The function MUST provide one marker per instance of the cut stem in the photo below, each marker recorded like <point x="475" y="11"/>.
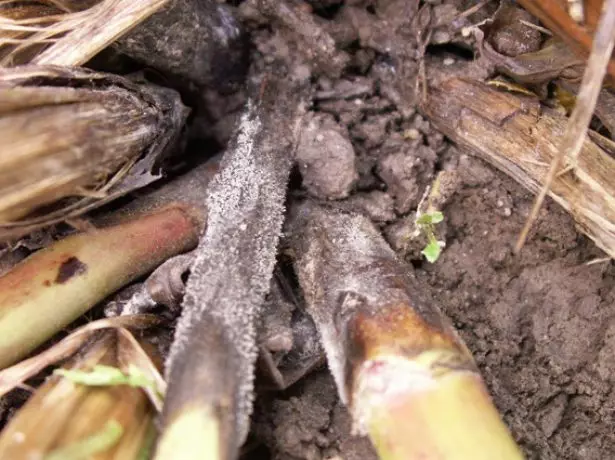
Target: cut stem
<point x="410" y="381"/>
<point x="73" y="139"/>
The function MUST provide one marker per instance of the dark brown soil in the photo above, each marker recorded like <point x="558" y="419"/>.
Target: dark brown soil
<point x="540" y="324"/>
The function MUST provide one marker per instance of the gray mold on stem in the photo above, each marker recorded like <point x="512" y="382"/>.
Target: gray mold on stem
<point x="212" y="359"/>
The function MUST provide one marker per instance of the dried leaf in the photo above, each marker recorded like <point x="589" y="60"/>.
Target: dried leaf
<point x="15" y="375"/>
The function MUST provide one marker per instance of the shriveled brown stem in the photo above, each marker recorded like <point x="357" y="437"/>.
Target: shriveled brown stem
<point x="15" y="375"/>
<point x="521" y="137"/>
<point x="199" y="40"/>
<point x="410" y="381"/>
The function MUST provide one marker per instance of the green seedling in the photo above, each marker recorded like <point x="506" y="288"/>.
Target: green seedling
<point x="427" y="223"/>
<point x="102" y="375"/>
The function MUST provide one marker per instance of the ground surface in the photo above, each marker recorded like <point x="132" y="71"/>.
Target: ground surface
<point x="541" y="324"/>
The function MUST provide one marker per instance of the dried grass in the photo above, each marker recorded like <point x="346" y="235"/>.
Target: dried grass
<point x="66" y="32"/>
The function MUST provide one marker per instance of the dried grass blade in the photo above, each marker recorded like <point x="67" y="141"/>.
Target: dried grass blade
<point x="78" y="33"/>
<point x="13" y="376"/>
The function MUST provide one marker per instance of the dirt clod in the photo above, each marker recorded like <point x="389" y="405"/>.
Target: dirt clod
<point x="326" y="159"/>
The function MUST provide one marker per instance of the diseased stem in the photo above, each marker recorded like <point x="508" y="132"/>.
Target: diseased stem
<point x="410" y="381"/>
<point x="53" y="287"/>
<point x="211" y="365"/>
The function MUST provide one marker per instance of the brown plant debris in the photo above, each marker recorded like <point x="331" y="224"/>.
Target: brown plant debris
<point x="13" y="376"/>
<point x="578" y="124"/>
<point x="83" y="403"/>
<point x="555" y="14"/>
<point x="66" y="32"/>
<point x="76" y="139"/>
<point x="519" y="136"/>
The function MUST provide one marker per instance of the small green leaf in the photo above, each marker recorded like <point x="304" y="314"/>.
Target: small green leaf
<point x="436" y="217"/>
<point x="102" y="375"/>
<point x="432" y="251"/>
<point x="424" y="219"/>
<point x="92" y="445"/>
<point x="430" y="218"/>
<point x="99" y="376"/>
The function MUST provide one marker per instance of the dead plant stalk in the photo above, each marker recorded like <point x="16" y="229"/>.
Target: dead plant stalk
<point x="211" y="364"/>
<point x="520" y="137"/>
<point x="73" y="139"/>
<point x="576" y="129"/>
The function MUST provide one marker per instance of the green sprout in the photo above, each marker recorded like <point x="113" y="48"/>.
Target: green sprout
<point x="427" y="223"/>
<point x="108" y="376"/>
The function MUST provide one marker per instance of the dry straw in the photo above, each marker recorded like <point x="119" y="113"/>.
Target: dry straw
<point x="66" y="32"/>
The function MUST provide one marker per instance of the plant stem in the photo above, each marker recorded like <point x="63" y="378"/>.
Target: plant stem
<point x="54" y="286"/>
<point x="211" y="363"/>
<point x="409" y="379"/>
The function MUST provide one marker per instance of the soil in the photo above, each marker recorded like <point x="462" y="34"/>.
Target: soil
<point x="540" y="324"/>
